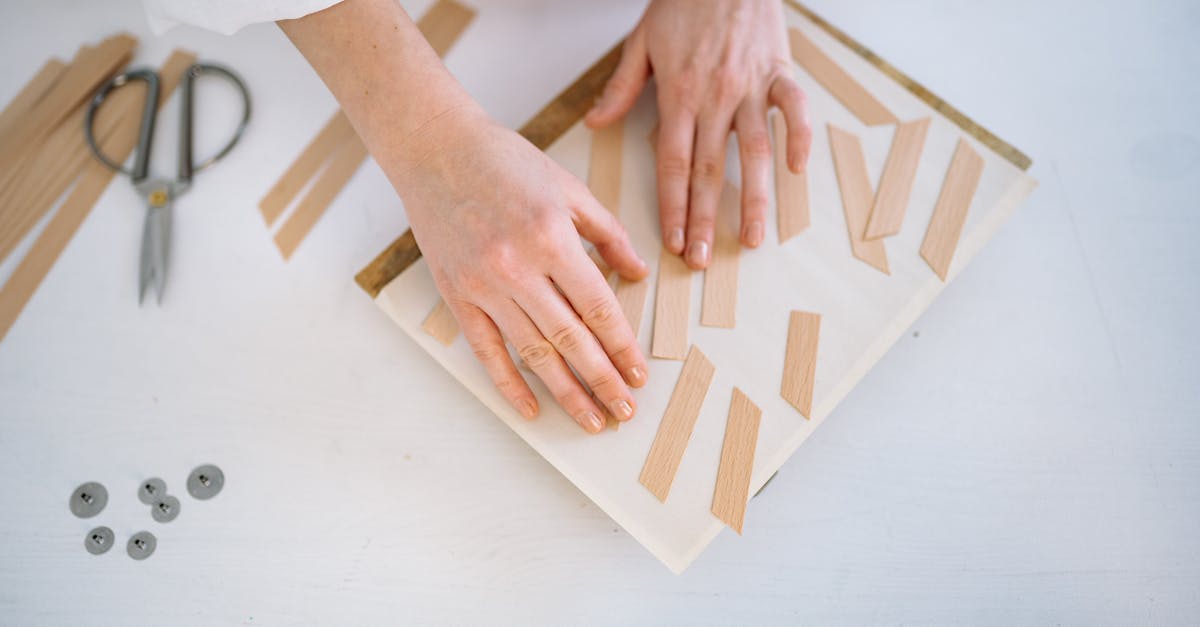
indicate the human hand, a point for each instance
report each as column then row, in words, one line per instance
column 719, row 66
column 499, row 224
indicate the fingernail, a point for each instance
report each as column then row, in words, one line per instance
column 675, row 241
column 622, row 409
column 527, row 409
column 637, row 376
column 754, row 233
column 590, row 421
column 697, row 254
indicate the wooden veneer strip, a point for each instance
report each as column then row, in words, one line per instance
column 800, row 360
column 791, row 188
column 832, row 77
column 329, row 184
column 336, row 132
column 631, row 295
column 672, row 301
column 950, row 212
column 895, row 184
column 604, row 166
column 737, row 461
column 441, row 323
column 125, row 106
column 718, row 307
column 678, row 420
column 855, row 186
column 23, row 102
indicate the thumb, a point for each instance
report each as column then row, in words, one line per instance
column 624, row 85
column 600, row 227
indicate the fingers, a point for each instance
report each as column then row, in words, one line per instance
column 484, row 337
column 708, row 177
column 787, row 95
column 754, row 149
column 600, row 227
column 625, row 84
column 676, row 133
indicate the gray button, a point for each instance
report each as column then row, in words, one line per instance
column 88, row 499
column 141, row 545
column 165, row 509
column 98, row 540
column 151, row 490
column 205, row 482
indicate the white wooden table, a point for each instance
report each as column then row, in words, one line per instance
column 1029, row 454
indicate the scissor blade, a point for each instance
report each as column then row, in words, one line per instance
column 156, row 232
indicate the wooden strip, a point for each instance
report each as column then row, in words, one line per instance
column 800, row 360
column 631, row 295
column 441, row 323
column 443, row 23
column 791, row 189
column 604, row 167
column 675, row 430
column 832, row 77
column 329, row 184
column 950, row 212
column 23, row 102
column 895, row 184
column 857, row 197
column 672, row 300
column 737, row 461
column 87, row 71
column 718, row 307
column 126, row 108
column 336, row 132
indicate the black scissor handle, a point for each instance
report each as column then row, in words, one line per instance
column 141, row 159
column 187, row 166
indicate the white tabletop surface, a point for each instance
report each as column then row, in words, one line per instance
column 1029, row 454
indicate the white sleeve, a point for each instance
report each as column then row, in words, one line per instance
column 226, row 16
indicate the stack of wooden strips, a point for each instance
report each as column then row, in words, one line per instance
column 44, row 158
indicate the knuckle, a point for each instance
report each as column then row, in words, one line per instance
column 674, row 167
column 601, row 315
column 567, row 338
column 708, row 170
column 602, row 380
column 755, row 145
column 487, row 352
column 536, row 355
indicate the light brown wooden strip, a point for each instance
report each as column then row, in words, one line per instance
column 895, row 184
column 841, row 85
column 604, row 167
column 342, row 166
column 125, row 106
column 791, row 189
column 443, row 23
column 672, row 300
column 335, row 132
column 601, row 264
column 718, row 306
column 21, row 104
column 631, row 295
column 800, row 360
column 737, row 461
column 86, row 72
column 857, row 197
column 950, row 212
column 675, row 430
column 441, row 323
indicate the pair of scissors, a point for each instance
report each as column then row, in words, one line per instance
column 160, row 193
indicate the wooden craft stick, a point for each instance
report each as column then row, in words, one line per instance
column 126, row 108
column 857, row 197
column 737, row 461
column 800, row 360
column 791, row 189
column 631, row 295
column 604, row 167
column 342, row 166
column 950, row 212
column 672, row 300
column 443, row 23
column 841, row 85
column 441, row 323
column 23, row 102
column 718, row 307
column 678, row 420
column 895, row 184
column 336, row 132
column 89, row 68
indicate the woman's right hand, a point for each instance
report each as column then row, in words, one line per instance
column 499, row 224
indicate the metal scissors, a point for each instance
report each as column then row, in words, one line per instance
column 159, row 193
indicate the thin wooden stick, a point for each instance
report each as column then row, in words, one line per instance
column 329, row 184
column 441, row 323
column 718, row 307
column 791, row 188
column 832, row 77
column 677, row 424
column 672, row 301
column 737, row 461
column 604, row 167
column 950, row 212
column 857, row 197
column 33, row 91
column 800, row 360
column 895, row 184
column 631, row 295
column 336, row 132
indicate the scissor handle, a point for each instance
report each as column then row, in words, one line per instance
column 187, row 167
column 141, row 160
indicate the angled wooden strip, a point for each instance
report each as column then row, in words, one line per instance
column 631, row 295
column 855, row 185
column 604, row 167
column 737, row 461
column 672, row 300
column 441, row 323
column 718, row 307
column 895, row 184
column 443, row 23
column 791, row 189
column 78, row 204
column 342, row 166
column 601, row 264
column 678, row 420
column 800, row 360
column 335, row 132
column 950, row 212
column 21, row 104
column 841, row 85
